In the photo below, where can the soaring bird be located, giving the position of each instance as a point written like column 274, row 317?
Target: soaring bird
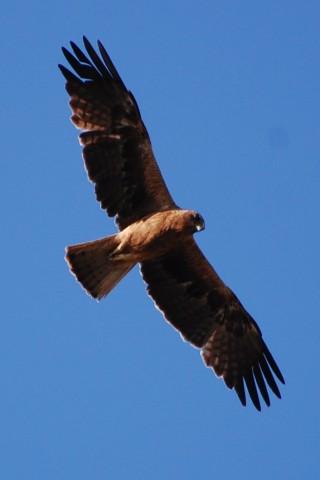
column 155, row 232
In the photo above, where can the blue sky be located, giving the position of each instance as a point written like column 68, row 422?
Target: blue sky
column 230, row 94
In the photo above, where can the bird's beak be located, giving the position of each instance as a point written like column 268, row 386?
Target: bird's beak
column 200, row 226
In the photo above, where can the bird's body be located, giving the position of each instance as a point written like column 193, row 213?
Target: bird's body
column 155, row 232
column 101, row 264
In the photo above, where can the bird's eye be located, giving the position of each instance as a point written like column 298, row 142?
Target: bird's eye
column 199, row 222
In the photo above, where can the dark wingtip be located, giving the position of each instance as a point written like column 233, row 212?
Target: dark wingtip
column 62, row 69
column 268, row 376
column 252, row 389
column 261, row 384
column 272, row 363
column 100, row 45
column 69, row 76
column 65, row 52
column 84, row 69
column 86, row 43
column 239, row 388
column 110, row 65
column 79, row 53
column 98, row 63
column 85, row 40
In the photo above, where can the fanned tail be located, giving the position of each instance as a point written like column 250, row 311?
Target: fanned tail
column 95, row 267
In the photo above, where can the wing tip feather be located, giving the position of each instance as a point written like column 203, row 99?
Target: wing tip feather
column 272, row 363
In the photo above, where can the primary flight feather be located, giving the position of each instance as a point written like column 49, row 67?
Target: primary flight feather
column 155, row 232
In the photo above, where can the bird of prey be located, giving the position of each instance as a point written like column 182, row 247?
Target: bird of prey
column 155, row 232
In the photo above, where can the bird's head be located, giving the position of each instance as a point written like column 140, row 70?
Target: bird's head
column 197, row 222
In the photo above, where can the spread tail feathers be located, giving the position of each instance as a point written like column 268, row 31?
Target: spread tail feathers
column 95, row 267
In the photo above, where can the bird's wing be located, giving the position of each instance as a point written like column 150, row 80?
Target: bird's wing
column 196, row 302
column 116, row 147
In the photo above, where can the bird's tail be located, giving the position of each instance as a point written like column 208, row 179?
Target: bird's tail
column 95, row 266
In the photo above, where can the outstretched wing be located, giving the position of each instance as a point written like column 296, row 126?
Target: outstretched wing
column 196, row 302
column 116, row 146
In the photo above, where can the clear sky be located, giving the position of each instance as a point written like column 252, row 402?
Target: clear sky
column 230, row 93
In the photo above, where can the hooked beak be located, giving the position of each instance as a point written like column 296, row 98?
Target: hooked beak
column 200, row 226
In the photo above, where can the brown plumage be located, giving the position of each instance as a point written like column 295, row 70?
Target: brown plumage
column 155, row 232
